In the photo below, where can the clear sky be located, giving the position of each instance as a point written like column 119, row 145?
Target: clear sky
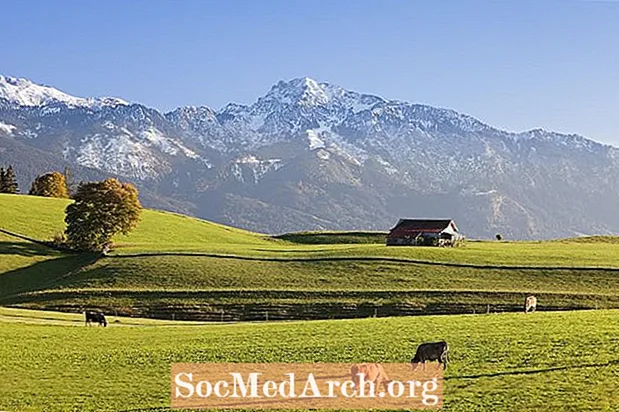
column 514, row 64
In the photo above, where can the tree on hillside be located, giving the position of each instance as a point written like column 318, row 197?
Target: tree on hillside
column 100, row 210
column 8, row 181
column 52, row 184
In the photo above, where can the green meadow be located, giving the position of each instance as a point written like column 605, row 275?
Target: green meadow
column 175, row 267
column 178, row 267
column 553, row 361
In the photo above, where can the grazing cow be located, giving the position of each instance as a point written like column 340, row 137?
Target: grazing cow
column 372, row 372
column 530, row 304
column 433, row 351
column 95, row 317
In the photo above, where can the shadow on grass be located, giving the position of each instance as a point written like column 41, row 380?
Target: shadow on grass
column 25, row 249
column 535, row 371
column 304, row 251
column 325, row 238
column 41, row 275
column 366, row 259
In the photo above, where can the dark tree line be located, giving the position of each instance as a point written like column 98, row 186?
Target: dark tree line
column 8, row 181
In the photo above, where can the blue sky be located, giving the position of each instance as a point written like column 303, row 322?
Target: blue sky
column 514, row 64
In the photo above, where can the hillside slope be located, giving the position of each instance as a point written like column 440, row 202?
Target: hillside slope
column 177, row 266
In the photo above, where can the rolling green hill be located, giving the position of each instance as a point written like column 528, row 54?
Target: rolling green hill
column 177, row 266
column 559, row 361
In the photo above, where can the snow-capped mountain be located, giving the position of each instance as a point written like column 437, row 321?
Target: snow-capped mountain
column 26, row 93
column 311, row 155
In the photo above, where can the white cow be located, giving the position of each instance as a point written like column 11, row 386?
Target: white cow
column 530, row 304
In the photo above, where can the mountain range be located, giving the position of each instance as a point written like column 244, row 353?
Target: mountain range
column 309, row 155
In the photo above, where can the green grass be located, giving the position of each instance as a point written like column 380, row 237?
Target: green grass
column 32, row 317
column 123, row 283
column 182, row 266
column 40, row 218
column 164, row 232
column 561, row 361
column 174, row 267
column 329, row 238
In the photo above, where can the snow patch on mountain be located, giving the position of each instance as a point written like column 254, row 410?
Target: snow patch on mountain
column 323, row 154
column 257, row 168
column 26, row 93
column 387, row 167
column 119, row 154
column 353, row 101
column 485, row 192
column 123, row 152
column 106, row 101
column 155, row 138
column 7, row 128
column 315, row 142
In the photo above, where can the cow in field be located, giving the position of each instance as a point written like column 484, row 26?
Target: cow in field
column 530, row 304
column 372, row 372
column 433, row 351
column 97, row 317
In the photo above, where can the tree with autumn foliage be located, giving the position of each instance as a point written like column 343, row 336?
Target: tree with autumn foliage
column 51, row 184
column 101, row 210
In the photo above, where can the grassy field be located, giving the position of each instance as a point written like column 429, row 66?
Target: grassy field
column 174, row 266
column 333, row 238
column 164, row 232
column 554, row 361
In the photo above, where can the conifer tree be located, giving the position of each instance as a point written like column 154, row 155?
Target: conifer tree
column 8, row 181
column 2, row 173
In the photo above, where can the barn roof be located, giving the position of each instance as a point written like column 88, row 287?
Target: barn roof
column 412, row 227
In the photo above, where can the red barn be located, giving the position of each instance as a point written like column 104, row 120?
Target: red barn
column 424, row 232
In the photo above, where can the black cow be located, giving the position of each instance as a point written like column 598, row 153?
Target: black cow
column 433, row 351
column 97, row 317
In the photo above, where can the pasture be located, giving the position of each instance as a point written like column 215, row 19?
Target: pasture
column 553, row 361
column 164, row 232
column 177, row 267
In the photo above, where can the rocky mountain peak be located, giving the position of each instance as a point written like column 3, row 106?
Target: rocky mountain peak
column 301, row 91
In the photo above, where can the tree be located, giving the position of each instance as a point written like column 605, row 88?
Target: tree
column 499, row 237
column 52, row 184
column 8, row 181
column 100, row 210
